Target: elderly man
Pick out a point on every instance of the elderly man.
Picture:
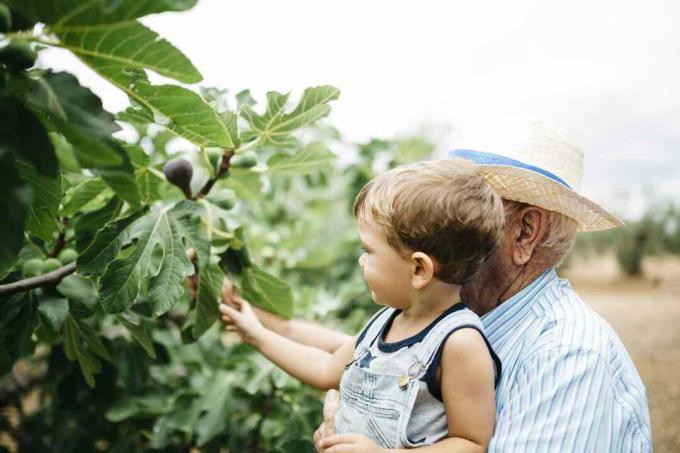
(567, 382)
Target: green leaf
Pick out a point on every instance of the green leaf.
(245, 182)
(104, 244)
(189, 215)
(313, 157)
(128, 45)
(18, 319)
(207, 298)
(54, 311)
(266, 291)
(137, 331)
(85, 12)
(68, 162)
(82, 344)
(80, 289)
(83, 109)
(150, 184)
(244, 98)
(74, 110)
(78, 114)
(179, 109)
(22, 134)
(154, 263)
(42, 215)
(14, 205)
(87, 225)
(89, 195)
(214, 420)
(274, 127)
(189, 115)
(121, 178)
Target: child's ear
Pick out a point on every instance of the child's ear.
(422, 270)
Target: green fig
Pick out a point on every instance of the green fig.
(50, 264)
(67, 256)
(18, 55)
(5, 19)
(215, 157)
(224, 198)
(32, 267)
(179, 173)
(246, 159)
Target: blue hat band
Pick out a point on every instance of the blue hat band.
(482, 158)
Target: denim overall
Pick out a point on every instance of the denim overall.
(384, 395)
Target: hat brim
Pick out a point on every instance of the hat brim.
(526, 186)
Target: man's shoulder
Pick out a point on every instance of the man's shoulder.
(568, 323)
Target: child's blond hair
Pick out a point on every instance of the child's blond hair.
(443, 208)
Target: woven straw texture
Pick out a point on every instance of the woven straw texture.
(526, 186)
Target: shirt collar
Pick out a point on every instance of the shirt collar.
(516, 307)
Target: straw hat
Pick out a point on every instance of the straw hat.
(542, 168)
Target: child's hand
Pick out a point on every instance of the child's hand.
(238, 316)
(350, 443)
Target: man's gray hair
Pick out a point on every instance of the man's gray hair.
(561, 231)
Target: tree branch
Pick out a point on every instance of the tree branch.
(224, 168)
(36, 282)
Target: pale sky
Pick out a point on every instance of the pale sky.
(606, 72)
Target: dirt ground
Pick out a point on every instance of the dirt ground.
(645, 313)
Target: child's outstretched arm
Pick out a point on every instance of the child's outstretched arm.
(298, 330)
(310, 365)
(467, 383)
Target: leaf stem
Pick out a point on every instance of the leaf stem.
(42, 41)
(61, 239)
(36, 282)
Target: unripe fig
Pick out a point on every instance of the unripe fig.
(5, 19)
(67, 256)
(244, 160)
(215, 157)
(18, 55)
(32, 267)
(224, 198)
(179, 173)
(50, 264)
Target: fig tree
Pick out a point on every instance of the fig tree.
(50, 264)
(67, 256)
(179, 173)
(32, 267)
(246, 159)
(5, 19)
(18, 55)
(224, 198)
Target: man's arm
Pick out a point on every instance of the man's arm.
(299, 331)
(561, 400)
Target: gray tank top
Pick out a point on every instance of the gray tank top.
(388, 391)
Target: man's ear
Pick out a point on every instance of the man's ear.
(422, 270)
(530, 227)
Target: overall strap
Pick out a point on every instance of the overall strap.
(371, 331)
(462, 317)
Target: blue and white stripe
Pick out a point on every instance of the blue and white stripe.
(568, 384)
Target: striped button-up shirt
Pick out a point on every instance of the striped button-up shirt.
(568, 384)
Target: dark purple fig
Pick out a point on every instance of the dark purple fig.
(18, 55)
(179, 173)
